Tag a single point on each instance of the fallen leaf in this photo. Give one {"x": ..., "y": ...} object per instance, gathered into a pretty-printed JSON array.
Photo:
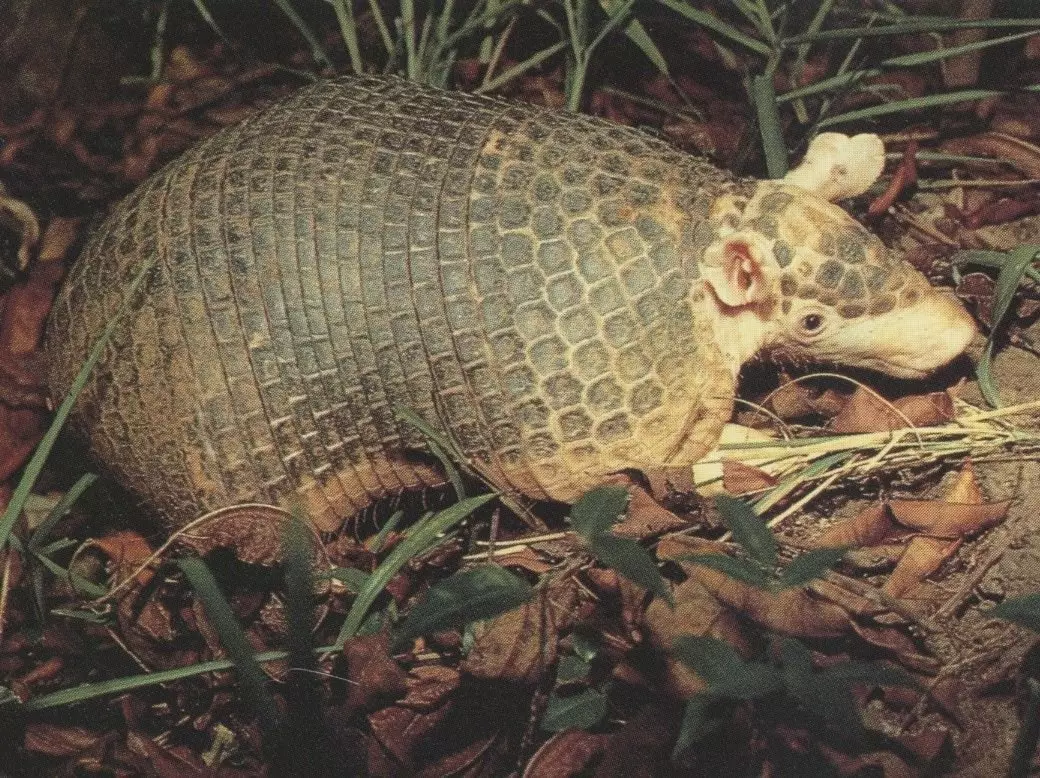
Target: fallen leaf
[
  {"x": 566, "y": 754},
  {"x": 868, "y": 528},
  {"x": 57, "y": 740},
  {"x": 697, "y": 612},
  {"x": 924, "y": 555},
  {"x": 126, "y": 552},
  {"x": 520, "y": 645},
  {"x": 374, "y": 678},
  {"x": 739, "y": 478},
  {"x": 866, "y": 412},
  {"x": 965, "y": 489},
  {"x": 948, "y": 519}
]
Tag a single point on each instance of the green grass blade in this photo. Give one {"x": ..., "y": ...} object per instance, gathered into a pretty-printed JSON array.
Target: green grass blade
[
  {"x": 718, "y": 26},
  {"x": 318, "y": 52},
  {"x": 1010, "y": 276},
  {"x": 251, "y": 678},
  {"x": 926, "y": 24},
  {"x": 57, "y": 513},
  {"x": 204, "y": 12},
  {"x": 92, "y": 691},
  {"x": 913, "y": 104},
  {"x": 348, "y": 31},
  {"x": 769, "y": 128},
  {"x": 441, "y": 446},
  {"x": 519, "y": 69},
  {"x": 927, "y": 57},
  {"x": 636, "y": 32},
  {"x": 420, "y": 538},
  {"x": 61, "y": 415}
]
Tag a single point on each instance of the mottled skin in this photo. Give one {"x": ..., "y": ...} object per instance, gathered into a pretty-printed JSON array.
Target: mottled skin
[{"x": 562, "y": 297}]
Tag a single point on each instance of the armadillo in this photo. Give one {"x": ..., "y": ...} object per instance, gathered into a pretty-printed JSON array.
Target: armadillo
[{"x": 562, "y": 298}]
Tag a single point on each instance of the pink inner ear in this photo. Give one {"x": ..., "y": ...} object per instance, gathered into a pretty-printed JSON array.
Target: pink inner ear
[{"x": 739, "y": 281}]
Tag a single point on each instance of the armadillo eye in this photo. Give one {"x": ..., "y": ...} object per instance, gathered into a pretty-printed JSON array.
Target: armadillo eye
[{"x": 812, "y": 322}]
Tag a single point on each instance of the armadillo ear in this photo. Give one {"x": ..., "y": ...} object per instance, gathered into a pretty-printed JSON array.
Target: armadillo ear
[{"x": 738, "y": 279}]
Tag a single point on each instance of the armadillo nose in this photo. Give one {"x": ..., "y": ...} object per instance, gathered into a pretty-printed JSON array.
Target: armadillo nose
[{"x": 949, "y": 332}]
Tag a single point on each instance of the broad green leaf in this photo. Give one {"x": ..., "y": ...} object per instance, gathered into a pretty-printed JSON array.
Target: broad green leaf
[
  {"x": 872, "y": 673},
  {"x": 572, "y": 668},
  {"x": 421, "y": 537},
  {"x": 1028, "y": 732},
  {"x": 715, "y": 661},
  {"x": 575, "y": 711},
  {"x": 1024, "y": 611},
  {"x": 629, "y": 559},
  {"x": 724, "y": 670},
  {"x": 251, "y": 678},
  {"x": 810, "y": 565},
  {"x": 748, "y": 530},
  {"x": 598, "y": 510},
  {"x": 471, "y": 595},
  {"x": 739, "y": 569},
  {"x": 703, "y": 715}
]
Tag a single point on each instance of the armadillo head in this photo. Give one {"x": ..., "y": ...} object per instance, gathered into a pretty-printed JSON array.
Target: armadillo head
[{"x": 793, "y": 273}]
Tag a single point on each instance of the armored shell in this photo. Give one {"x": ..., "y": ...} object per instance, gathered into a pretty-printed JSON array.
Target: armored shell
[{"x": 520, "y": 279}]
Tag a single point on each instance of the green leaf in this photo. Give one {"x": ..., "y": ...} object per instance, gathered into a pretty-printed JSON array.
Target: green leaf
[
  {"x": 1009, "y": 278},
  {"x": 871, "y": 673},
  {"x": 350, "y": 577},
  {"x": 1024, "y": 611},
  {"x": 912, "y": 104},
  {"x": 716, "y": 25},
  {"x": 748, "y": 530},
  {"x": 724, "y": 670},
  {"x": 251, "y": 678},
  {"x": 739, "y": 569},
  {"x": 471, "y": 595},
  {"x": 629, "y": 559},
  {"x": 575, "y": 711},
  {"x": 638, "y": 35},
  {"x": 811, "y": 565},
  {"x": 572, "y": 668},
  {"x": 421, "y": 537},
  {"x": 703, "y": 715},
  {"x": 773, "y": 146},
  {"x": 443, "y": 448},
  {"x": 927, "y": 24},
  {"x": 598, "y": 510}
]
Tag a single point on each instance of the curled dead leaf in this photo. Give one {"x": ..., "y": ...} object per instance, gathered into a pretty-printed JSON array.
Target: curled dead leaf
[
  {"x": 739, "y": 478},
  {"x": 923, "y": 556},
  {"x": 374, "y": 677},
  {"x": 20, "y": 218},
  {"x": 869, "y": 527},
  {"x": 948, "y": 519}
]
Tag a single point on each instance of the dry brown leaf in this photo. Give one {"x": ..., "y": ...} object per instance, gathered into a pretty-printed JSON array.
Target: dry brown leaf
[
  {"x": 948, "y": 519},
  {"x": 739, "y": 478},
  {"x": 865, "y": 412},
  {"x": 870, "y": 527},
  {"x": 520, "y": 645},
  {"x": 697, "y": 613},
  {"x": 854, "y": 604},
  {"x": 642, "y": 746},
  {"x": 646, "y": 517},
  {"x": 965, "y": 489},
  {"x": 566, "y": 754},
  {"x": 126, "y": 552},
  {"x": 924, "y": 555},
  {"x": 429, "y": 687},
  {"x": 1022, "y": 155},
  {"x": 401, "y": 731},
  {"x": 56, "y": 740},
  {"x": 375, "y": 678}
]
